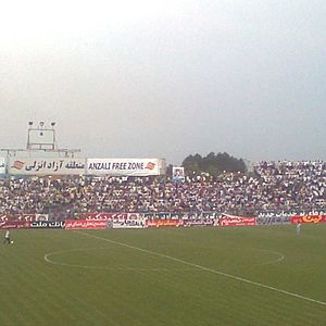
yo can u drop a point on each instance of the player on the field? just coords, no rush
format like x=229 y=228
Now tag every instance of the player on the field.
x=7 y=237
x=298 y=228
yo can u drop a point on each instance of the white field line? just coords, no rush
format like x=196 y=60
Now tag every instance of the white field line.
x=274 y=261
x=207 y=269
x=126 y=268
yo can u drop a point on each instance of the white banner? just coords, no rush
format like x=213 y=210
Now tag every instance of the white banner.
x=46 y=166
x=2 y=165
x=178 y=174
x=41 y=217
x=132 y=221
x=125 y=166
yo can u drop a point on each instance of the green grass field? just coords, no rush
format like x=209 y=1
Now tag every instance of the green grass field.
x=171 y=276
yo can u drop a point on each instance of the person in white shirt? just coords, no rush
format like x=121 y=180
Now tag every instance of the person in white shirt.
x=298 y=228
x=7 y=237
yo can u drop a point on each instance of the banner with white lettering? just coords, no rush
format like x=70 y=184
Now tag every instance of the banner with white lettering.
x=125 y=166
x=102 y=216
x=46 y=166
x=232 y=220
x=47 y=225
x=2 y=165
x=85 y=224
x=131 y=221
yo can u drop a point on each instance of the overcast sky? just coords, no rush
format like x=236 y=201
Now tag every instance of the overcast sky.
x=147 y=78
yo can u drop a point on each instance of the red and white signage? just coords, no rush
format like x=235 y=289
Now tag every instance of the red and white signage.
x=168 y=222
x=85 y=224
x=232 y=220
x=103 y=216
x=14 y=225
x=311 y=219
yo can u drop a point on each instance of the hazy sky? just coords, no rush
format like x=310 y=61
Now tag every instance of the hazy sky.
x=147 y=78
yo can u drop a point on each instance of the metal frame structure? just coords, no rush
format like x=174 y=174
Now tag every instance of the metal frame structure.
x=40 y=129
x=44 y=147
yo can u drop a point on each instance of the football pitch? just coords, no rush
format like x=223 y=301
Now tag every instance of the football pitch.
x=169 y=276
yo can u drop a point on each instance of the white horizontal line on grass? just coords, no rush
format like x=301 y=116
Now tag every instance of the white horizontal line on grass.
x=207 y=269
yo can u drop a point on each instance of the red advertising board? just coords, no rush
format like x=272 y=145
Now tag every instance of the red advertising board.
x=199 y=222
x=25 y=217
x=308 y=219
x=85 y=224
x=168 y=222
x=231 y=220
x=14 y=225
x=103 y=216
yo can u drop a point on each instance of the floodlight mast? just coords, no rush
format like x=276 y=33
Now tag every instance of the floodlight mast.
x=35 y=135
x=41 y=138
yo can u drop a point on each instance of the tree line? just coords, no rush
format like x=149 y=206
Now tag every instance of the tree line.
x=212 y=163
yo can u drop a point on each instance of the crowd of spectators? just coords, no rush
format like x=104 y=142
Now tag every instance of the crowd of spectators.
x=270 y=186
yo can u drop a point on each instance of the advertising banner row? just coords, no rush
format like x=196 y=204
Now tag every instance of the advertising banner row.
x=135 y=220
x=91 y=166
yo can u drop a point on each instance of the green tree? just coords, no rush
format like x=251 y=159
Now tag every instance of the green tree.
x=214 y=164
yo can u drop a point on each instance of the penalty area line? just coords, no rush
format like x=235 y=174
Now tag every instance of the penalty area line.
x=207 y=269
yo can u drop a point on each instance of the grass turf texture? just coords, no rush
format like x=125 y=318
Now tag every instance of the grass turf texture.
x=92 y=281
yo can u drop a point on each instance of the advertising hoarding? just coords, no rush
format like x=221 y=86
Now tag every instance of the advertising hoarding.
x=125 y=166
x=46 y=166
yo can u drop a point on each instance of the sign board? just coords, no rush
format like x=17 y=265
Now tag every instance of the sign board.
x=178 y=174
x=2 y=165
x=46 y=166
x=125 y=166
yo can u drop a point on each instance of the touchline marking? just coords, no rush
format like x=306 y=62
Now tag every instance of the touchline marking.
x=207 y=269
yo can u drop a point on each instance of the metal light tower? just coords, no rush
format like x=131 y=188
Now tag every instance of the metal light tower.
x=41 y=137
x=41 y=140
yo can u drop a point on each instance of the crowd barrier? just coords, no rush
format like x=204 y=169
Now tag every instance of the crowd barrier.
x=149 y=220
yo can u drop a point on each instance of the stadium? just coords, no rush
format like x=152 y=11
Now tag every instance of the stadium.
x=120 y=242
x=174 y=169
